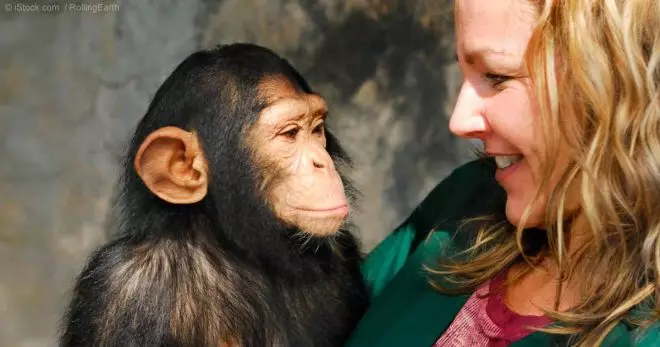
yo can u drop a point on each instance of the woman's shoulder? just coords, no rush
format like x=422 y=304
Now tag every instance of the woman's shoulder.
x=624 y=335
x=469 y=186
x=648 y=337
x=467 y=192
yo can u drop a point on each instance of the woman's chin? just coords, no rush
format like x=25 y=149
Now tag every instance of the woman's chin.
x=514 y=213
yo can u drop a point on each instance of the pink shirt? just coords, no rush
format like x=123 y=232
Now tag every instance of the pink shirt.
x=485 y=321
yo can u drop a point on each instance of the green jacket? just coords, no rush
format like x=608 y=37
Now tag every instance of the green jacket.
x=405 y=310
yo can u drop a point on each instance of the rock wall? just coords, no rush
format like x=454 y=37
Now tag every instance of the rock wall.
x=75 y=79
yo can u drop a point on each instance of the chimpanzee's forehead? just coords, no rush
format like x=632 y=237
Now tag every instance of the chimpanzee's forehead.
x=302 y=106
x=280 y=91
x=276 y=87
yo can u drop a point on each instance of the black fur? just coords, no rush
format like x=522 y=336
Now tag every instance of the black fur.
x=267 y=286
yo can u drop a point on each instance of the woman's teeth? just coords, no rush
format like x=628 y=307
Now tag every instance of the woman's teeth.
x=504 y=161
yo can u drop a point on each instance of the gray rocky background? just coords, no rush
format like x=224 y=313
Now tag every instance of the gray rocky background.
x=74 y=81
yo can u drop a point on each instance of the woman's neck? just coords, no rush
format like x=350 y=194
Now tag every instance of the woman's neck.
x=545 y=286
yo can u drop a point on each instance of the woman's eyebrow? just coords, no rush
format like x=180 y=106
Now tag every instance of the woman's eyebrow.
x=474 y=55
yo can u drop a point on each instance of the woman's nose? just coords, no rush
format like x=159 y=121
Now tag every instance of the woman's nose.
x=468 y=118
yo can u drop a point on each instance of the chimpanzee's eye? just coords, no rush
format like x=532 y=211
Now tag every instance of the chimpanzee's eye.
x=291 y=133
x=318 y=129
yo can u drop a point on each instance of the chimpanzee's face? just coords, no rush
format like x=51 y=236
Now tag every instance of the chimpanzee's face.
x=300 y=180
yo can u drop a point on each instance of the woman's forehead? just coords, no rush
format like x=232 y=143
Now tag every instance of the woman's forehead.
x=494 y=27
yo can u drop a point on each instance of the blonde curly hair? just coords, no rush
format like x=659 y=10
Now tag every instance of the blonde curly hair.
x=595 y=65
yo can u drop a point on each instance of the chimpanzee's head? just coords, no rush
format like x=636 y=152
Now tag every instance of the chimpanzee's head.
x=239 y=129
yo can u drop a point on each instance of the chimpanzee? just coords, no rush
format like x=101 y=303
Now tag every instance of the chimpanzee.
x=232 y=225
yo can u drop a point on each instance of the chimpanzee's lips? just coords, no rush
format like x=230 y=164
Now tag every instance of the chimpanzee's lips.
x=341 y=210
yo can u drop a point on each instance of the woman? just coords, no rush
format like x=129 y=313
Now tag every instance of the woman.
x=555 y=234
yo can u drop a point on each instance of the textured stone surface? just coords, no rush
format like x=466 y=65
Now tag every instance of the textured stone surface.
x=74 y=83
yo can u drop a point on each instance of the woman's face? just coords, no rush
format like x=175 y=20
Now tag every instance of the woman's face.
x=496 y=103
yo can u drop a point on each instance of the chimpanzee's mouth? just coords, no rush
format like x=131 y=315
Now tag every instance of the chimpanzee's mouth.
x=341 y=210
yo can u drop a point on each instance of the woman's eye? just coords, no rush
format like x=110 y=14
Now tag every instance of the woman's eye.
x=496 y=80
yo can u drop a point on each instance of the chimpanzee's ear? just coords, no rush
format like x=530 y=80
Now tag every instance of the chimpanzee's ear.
x=171 y=164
